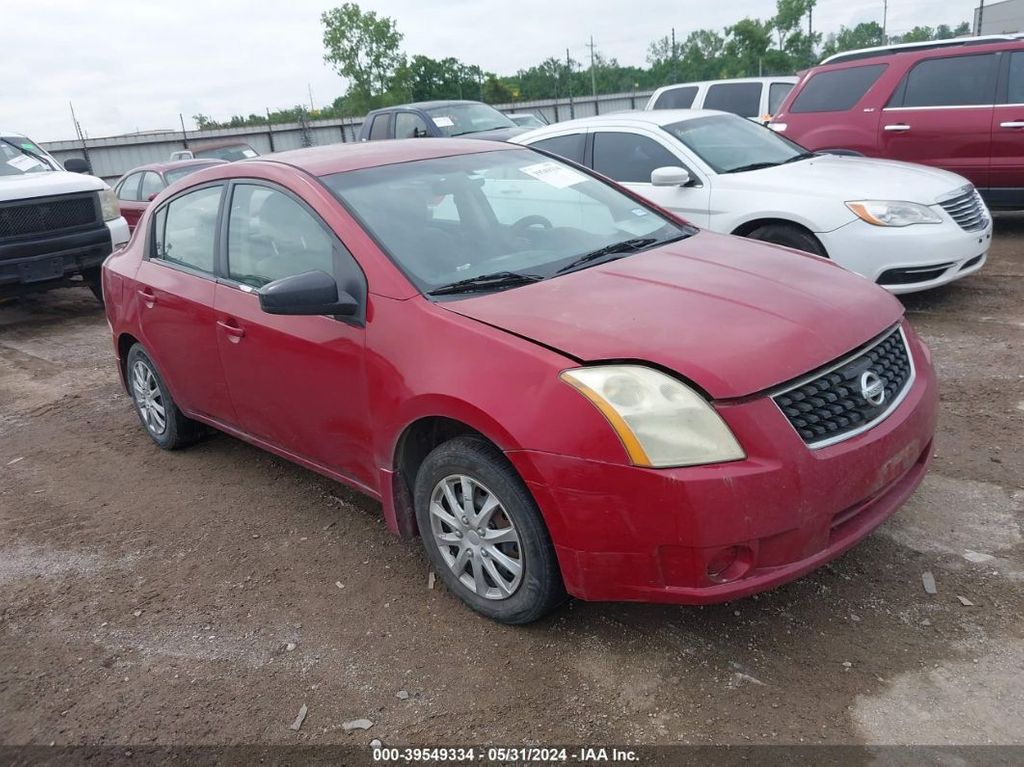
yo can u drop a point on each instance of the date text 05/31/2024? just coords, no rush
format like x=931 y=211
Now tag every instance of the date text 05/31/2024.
x=504 y=754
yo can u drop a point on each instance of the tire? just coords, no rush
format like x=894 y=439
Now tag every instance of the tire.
x=790 y=236
x=95 y=283
x=149 y=394
x=483 y=577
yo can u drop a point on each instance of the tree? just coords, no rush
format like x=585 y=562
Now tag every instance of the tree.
x=865 y=35
x=363 y=48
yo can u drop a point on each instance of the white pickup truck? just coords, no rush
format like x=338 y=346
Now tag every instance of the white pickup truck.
x=56 y=227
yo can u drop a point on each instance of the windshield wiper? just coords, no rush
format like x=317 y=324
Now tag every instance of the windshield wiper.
x=799 y=157
x=28 y=153
x=626 y=246
x=493 y=281
x=753 y=166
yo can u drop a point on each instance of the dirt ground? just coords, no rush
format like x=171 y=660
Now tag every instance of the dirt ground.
x=203 y=596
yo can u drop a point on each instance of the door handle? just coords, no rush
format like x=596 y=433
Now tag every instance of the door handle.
x=897 y=127
x=235 y=332
x=1012 y=124
x=148 y=297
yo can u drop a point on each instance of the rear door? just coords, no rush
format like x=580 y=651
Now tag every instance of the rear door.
x=629 y=157
x=174 y=293
x=941 y=114
x=1006 y=180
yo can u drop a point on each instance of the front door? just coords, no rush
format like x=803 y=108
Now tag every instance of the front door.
x=1006 y=184
x=630 y=158
x=941 y=115
x=174 y=292
x=297 y=383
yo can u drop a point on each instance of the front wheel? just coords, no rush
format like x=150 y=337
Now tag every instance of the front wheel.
x=484 y=534
x=166 y=425
x=789 y=236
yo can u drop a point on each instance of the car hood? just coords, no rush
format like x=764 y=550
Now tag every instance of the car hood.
x=851 y=178
x=734 y=316
x=47 y=183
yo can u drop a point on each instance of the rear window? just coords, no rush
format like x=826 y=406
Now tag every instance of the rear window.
x=676 y=98
x=570 y=147
x=838 y=90
x=953 y=81
x=743 y=99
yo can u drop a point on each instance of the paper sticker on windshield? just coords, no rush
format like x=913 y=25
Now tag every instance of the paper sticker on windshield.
x=554 y=174
x=638 y=212
x=443 y=122
x=24 y=163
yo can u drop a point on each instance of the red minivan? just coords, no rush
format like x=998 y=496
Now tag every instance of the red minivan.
x=955 y=104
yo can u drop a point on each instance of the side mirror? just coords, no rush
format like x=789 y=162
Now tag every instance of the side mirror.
x=77 y=165
x=309 y=293
x=670 y=176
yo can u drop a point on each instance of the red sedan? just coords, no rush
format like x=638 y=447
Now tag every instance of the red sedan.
x=139 y=186
x=560 y=387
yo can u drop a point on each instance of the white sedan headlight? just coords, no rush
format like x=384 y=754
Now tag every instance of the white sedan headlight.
x=108 y=203
x=660 y=421
x=893 y=212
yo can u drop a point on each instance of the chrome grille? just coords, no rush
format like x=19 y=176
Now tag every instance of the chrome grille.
x=967 y=208
x=830 y=405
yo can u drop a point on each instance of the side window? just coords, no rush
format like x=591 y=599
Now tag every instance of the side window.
x=129 y=188
x=379 y=129
x=777 y=93
x=1015 y=83
x=676 y=98
x=151 y=184
x=271 y=236
x=837 y=90
x=570 y=147
x=629 y=157
x=739 y=98
x=409 y=125
x=954 y=81
x=743 y=99
x=186 y=229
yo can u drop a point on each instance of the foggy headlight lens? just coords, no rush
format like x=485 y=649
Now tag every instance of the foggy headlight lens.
x=660 y=421
x=108 y=202
x=893 y=213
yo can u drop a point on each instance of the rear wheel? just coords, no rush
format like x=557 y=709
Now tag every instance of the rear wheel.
x=484 y=534
x=790 y=236
x=166 y=425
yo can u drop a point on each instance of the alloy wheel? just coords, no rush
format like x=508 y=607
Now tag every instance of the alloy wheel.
x=476 y=537
x=149 y=398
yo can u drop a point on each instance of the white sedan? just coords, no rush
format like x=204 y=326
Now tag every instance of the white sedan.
x=906 y=227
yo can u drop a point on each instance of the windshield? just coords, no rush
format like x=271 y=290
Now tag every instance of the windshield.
x=731 y=144
x=526 y=121
x=512 y=214
x=229 y=153
x=171 y=176
x=18 y=156
x=460 y=119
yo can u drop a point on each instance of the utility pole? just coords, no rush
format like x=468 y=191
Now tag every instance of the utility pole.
x=885 y=17
x=674 y=74
x=309 y=89
x=270 y=131
x=593 y=74
x=81 y=136
x=981 y=14
x=568 y=68
x=184 y=133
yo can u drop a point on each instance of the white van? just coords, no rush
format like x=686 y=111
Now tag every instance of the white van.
x=56 y=226
x=755 y=97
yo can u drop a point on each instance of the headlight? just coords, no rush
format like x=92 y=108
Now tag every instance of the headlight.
x=660 y=421
x=108 y=202
x=893 y=213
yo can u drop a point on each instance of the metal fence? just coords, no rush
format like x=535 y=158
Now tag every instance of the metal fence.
x=113 y=156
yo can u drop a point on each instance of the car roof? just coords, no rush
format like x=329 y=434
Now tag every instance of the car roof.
x=427 y=105
x=656 y=118
x=772 y=79
x=884 y=51
x=338 y=158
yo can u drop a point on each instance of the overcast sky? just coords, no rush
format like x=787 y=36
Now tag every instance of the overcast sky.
x=134 y=65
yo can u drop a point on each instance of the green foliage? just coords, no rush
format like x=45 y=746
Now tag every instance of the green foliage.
x=365 y=49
